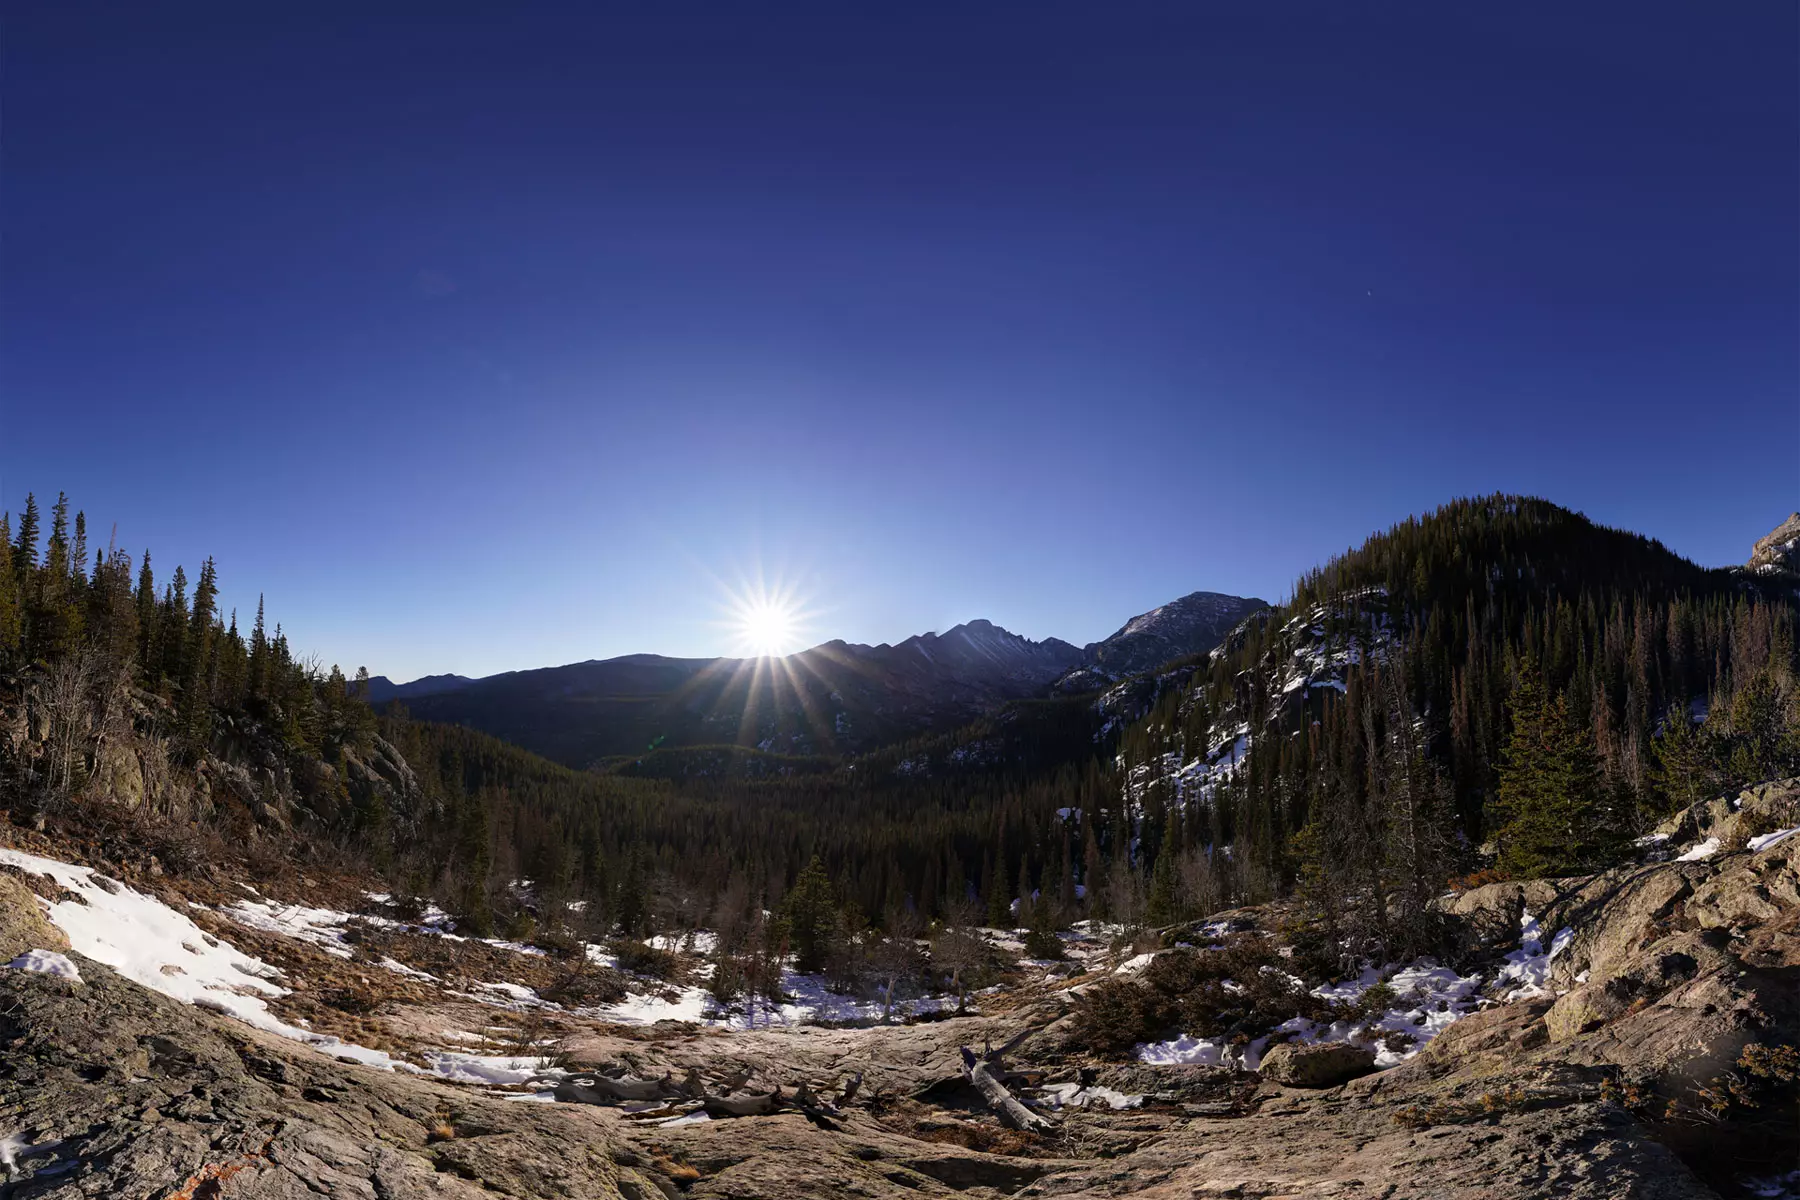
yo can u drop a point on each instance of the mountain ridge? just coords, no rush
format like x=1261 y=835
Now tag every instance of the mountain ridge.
x=832 y=697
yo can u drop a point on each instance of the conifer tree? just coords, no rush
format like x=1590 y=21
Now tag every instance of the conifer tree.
x=149 y=647
x=1556 y=816
x=1685 y=769
x=259 y=656
x=11 y=618
x=811 y=910
x=54 y=613
x=78 y=550
x=197 y=662
x=25 y=550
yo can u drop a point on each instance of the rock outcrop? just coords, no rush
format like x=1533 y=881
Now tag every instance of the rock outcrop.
x=1322 y=1066
x=23 y=925
x=132 y=1094
x=1780 y=550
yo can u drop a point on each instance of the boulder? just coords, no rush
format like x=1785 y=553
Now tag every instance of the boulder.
x=23 y=925
x=118 y=775
x=1488 y=1040
x=1731 y=819
x=1581 y=1011
x=1325 y=1065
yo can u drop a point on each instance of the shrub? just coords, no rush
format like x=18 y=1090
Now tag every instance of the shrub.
x=1114 y=1016
x=1241 y=992
x=1043 y=944
x=640 y=958
x=1481 y=878
x=1375 y=1000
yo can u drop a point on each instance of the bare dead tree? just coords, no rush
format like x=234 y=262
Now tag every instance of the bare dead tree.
x=987 y=1073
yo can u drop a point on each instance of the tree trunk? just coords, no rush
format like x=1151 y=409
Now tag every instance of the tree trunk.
x=984 y=1074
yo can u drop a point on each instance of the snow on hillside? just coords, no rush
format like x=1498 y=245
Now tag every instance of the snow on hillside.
x=159 y=948
x=1312 y=652
x=151 y=944
x=1428 y=999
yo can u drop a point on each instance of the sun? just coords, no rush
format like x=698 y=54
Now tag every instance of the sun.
x=767 y=625
x=763 y=618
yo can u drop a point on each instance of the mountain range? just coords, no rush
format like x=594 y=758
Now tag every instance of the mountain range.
x=832 y=698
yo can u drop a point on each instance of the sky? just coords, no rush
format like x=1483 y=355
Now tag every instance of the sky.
x=482 y=337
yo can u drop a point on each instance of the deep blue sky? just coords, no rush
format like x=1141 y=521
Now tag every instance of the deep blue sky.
x=496 y=339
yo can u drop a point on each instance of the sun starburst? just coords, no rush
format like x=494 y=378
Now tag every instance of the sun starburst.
x=765 y=621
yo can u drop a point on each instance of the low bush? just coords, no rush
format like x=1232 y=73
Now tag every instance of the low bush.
x=640 y=958
x=1115 y=1016
x=1239 y=992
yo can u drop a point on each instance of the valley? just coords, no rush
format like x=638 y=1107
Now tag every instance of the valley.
x=1468 y=871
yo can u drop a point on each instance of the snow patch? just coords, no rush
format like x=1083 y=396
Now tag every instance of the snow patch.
x=47 y=962
x=1704 y=850
x=1074 y=1095
x=491 y=1070
x=1766 y=840
x=1428 y=999
x=151 y=944
x=1528 y=968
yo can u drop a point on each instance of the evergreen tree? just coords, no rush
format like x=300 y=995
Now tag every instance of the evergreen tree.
x=78 y=550
x=197 y=661
x=25 y=550
x=1686 y=772
x=259 y=657
x=1556 y=816
x=812 y=915
x=54 y=613
x=11 y=617
x=149 y=647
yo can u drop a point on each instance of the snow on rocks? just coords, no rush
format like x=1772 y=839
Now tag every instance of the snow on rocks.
x=1764 y=841
x=1135 y=965
x=1428 y=998
x=501 y=1070
x=47 y=962
x=326 y=927
x=1192 y=1051
x=1527 y=969
x=1075 y=1095
x=1704 y=850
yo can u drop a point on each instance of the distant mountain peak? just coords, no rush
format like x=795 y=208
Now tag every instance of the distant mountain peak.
x=382 y=689
x=1192 y=624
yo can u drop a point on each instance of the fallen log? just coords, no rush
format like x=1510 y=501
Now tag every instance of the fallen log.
x=598 y=1089
x=985 y=1073
x=744 y=1104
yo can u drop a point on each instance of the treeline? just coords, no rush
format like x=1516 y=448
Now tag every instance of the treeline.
x=98 y=651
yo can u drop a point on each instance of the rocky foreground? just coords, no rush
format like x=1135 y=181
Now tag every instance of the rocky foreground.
x=1656 y=1058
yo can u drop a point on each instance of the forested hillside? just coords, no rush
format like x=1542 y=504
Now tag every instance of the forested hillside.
x=1501 y=686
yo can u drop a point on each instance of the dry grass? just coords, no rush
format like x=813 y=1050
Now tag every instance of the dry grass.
x=682 y=1174
x=985 y=1138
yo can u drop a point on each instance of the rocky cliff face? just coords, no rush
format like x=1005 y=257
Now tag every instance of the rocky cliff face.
x=1780 y=550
